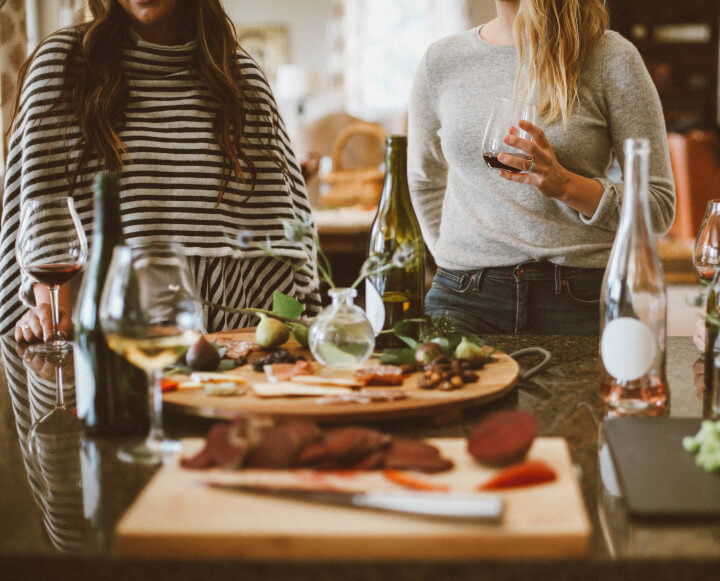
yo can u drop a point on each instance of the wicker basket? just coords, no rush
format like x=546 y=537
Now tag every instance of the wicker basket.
x=357 y=186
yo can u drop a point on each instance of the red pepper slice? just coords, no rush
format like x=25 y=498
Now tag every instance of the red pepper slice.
x=168 y=384
x=411 y=482
x=522 y=474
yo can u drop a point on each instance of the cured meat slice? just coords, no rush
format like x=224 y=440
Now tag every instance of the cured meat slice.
x=236 y=348
x=413 y=455
x=343 y=447
x=365 y=396
x=277 y=372
x=280 y=445
x=222 y=448
x=381 y=375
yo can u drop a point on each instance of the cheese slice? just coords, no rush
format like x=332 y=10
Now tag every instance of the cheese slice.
x=190 y=385
x=213 y=376
x=322 y=380
x=292 y=389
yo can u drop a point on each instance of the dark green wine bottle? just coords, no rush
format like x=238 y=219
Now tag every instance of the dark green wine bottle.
x=399 y=292
x=111 y=393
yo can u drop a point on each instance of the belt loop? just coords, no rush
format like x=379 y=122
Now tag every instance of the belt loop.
x=478 y=276
x=558 y=279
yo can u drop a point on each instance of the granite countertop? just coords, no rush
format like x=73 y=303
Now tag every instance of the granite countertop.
x=59 y=504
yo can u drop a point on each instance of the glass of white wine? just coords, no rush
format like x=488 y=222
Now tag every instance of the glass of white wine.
x=150 y=316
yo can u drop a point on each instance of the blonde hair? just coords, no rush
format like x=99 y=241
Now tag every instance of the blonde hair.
x=554 y=38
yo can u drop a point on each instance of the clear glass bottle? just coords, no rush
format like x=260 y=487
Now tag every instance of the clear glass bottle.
x=341 y=335
x=397 y=293
x=634 y=303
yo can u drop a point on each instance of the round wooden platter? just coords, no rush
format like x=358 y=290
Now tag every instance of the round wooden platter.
x=495 y=380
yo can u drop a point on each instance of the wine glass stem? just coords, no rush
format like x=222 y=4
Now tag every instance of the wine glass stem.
x=156 y=434
x=55 y=309
x=60 y=395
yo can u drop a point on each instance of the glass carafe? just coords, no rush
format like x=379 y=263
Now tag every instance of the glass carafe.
x=707 y=245
x=634 y=303
x=341 y=336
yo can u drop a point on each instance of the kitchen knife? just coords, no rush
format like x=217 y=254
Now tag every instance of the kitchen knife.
x=465 y=507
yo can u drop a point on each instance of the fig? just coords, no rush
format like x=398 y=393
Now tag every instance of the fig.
x=468 y=351
x=300 y=332
x=271 y=333
x=202 y=356
x=427 y=353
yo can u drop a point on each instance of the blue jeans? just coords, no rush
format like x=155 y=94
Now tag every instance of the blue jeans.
x=534 y=298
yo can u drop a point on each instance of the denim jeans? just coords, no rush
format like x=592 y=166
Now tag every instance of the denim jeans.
x=534 y=298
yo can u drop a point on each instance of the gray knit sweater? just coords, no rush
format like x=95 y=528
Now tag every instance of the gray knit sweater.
x=471 y=217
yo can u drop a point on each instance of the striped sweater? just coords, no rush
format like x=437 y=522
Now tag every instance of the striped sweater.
x=170 y=181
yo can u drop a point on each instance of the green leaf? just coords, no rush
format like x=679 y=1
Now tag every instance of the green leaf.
x=220 y=349
x=286 y=306
x=407 y=331
x=226 y=365
x=398 y=357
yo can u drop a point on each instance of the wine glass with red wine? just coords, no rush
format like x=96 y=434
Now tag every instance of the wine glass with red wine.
x=51 y=248
x=506 y=114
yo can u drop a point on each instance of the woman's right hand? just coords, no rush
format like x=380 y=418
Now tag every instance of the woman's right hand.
x=36 y=324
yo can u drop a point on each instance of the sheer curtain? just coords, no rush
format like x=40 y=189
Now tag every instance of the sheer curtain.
x=13 y=47
x=377 y=44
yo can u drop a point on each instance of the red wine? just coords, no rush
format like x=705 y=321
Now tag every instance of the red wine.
x=492 y=161
x=53 y=274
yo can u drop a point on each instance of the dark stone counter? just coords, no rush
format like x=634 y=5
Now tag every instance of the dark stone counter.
x=60 y=499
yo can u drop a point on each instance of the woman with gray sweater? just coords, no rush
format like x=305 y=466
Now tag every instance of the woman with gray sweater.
x=525 y=253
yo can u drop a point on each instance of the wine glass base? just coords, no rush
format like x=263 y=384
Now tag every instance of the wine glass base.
x=51 y=348
x=149 y=452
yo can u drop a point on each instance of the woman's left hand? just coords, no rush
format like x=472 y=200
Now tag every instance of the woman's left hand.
x=548 y=176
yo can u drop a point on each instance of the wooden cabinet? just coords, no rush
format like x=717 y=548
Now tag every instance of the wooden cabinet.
x=679 y=41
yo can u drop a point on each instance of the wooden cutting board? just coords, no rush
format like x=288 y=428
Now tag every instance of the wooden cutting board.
x=176 y=516
x=495 y=380
x=657 y=475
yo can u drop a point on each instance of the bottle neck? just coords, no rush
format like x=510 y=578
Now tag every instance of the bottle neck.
x=107 y=224
x=342 y=296
x=396 y=187
x=635 y=206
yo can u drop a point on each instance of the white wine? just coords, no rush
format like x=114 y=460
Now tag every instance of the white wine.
x=397 y=293
x=155 y=352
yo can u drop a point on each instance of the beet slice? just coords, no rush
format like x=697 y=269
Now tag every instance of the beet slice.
x=412 y=455
x=503 y=437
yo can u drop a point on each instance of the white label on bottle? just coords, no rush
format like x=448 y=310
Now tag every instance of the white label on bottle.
x=83 y=395
x=628 y=348
x=374 y=307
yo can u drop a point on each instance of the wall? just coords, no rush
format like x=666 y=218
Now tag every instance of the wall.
x=306 y=21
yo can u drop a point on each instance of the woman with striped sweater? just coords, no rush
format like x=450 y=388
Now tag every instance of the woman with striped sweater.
x=159 y=91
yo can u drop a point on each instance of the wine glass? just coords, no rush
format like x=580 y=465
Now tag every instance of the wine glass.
x=150 y=315
x=706 y=257
x=506 y=114
x=42 y=370
x=51 y=248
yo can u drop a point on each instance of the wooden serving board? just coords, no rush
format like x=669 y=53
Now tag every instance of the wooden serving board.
x=495 y=380
x=176 y=516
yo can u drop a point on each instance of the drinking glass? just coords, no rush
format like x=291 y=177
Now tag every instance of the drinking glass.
x=506 y=114
x=150 y=315
x=706 y=257
x=51 y=248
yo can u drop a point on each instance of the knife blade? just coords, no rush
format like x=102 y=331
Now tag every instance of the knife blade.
x=464 y=507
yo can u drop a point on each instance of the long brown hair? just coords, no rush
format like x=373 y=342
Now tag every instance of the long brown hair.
x=554 y=38
x=97 y=91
